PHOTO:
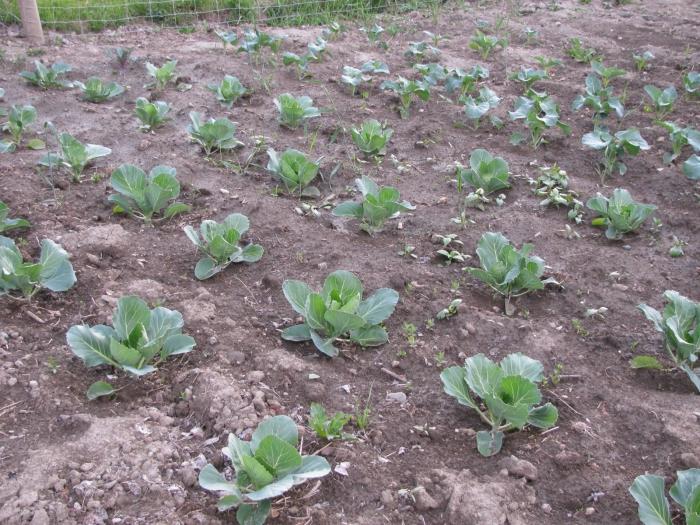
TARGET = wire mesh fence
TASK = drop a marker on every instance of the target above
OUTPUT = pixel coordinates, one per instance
(95, 15)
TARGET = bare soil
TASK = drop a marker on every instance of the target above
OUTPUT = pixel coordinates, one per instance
(134, 458)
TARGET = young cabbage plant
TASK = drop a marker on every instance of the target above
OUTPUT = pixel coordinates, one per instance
(628, 141)
(48, 77)
(598, 99)
(94, 90)
(163, 75)
(295, 171)
(679, 322)
(151, 114)
(539, 112)
(339, 311)
(326, 426)
(464, 82)
(406, 90)
(679, 138)
(6, 223)
(294, 111)
(371, 138)
(547, 63)
(228, 38)
(433, 73)
(19, 118)
(485, 44)
(648, 492)
(53, 271)
(475, 108)
(354, 77)
(418, 51)
(254, 41)
(228, 91)
(485, 172)
(121, 54)
(214, 134)
(142, 196)
(579, 53)
(527, 76)
(641, 62)
(73, 155)
(508, 391)
(376, 67)
(136, 343)
(662, 99)
(691, 83)
(508, 271)
(333, 31)
(300, 62)
(317, 49)
(620, 214)
(606, 74)
(553, 186)
(265, 468)
(219, 245)
(378, 205)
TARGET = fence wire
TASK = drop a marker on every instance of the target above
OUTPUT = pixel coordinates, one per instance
(95, 15)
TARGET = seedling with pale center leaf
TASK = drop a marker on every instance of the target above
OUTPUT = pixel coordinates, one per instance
(293, 111)
(547, 63)
(418, 51)
(53, 271)
(641, 62)
(406, 90)
(606, 74)
(300, 62)
(94, 90)
(508, 391)
(214, 134)
(219, 244)
(628, 141)
(333, 31)
(528, 76)
(295, 171)
(354, 77)
(377, 206)
(485, 172)
(142, 196)
(151, 114)
(475, 108)
(662, 99)
(73, 155)
(139, 340)
(326, 426)
(228, 91)
(317, 48)
(508, 271)
(48, 77)
(679, 138)
(121, 55)
(162, 75)
(485, 44)
(676, 249)
(451, 310)
(254, 41)
(433, 73)
(19, 119)
(372, 137)
(620, 214)
(648, 491)
(553, 185)
(531, 35)
(265, 468)
(339, 311)
(539, 112)
(374, 33)
(691, 83)
(598, 99)
(465, 81)
(375, 66)
(580, 53)
(6, 223)
(228, 38)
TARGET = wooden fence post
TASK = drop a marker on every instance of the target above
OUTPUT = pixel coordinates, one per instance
(31, 22)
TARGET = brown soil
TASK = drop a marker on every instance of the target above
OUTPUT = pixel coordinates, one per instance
(133, 459)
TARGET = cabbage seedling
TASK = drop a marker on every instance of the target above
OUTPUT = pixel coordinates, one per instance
(662, 99)
(326, 426)
(679, 322)
(465, 81)
(219, 244)
(475, 108)
(48, 77)
(6, 223)
(485, 172)
(433, 73)
(508, 392)
(620, 214)
(377, 206)
(353, 77)
(151, 114)
(485, 44)
(143, 196)
(228, 91)
(679, 138)
(317, 48)
(606, 74)
(254, 41)
(539, 112)
(265, 468)
(375, 66)
(691, 167)
(547, 63)
(641, 62)
(213, 135)
(528, 76)
(553, 185)
(19, 119)
(295, 171)
(53, 271)
(333, 31)
(300, 62)
(691, 83)
(508, 271)
(94, 90)
(121, 55)
(73, 155)
(371, 138)
(405, 90)
(614, 147)
(418, 51)
(162, 75)
(374, 33)
(339, 311)
(598, 99)
(228, 38)
(648, 492)
(580, 53)
(293, 111)
(138, 340)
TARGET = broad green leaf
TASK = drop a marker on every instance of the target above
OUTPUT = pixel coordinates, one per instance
(253, 514)
(91, 344)
(489, 443)
(271, 490)
(124, 355)
(482, 375)
(311, 467)
(211, 479)
(648, 491)
(299, 332)
(205, 268)
(282, 427)
(646, 361)
(278, 456)
(175, 209)
(518, 364)
(688, 481)
(99, 389)
(258, 474)
(36, 144)
(177, 344)
(296, 292)
(56, 270)
(370, 336)
(324, 346)
(379, 306)
(455, 385)
(131, 311)
(341, 285)
(343, 322)
(544, 416)
(691, 167)
(348, 209)
(251, 253)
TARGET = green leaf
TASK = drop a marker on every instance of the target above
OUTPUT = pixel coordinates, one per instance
(489, 443)
(175, 209)
(341, 285)
(544, 416)
(648, 491)
(688, 481)
(324, 346)
(482, 375)
(646, 361)
(370, 336)
(124, 355)
(131, 312)
(211, 479)
(379, 306)
(177, 344)
(348, 209)
(253, 514)
(278, 456)
(455, 385)
(99, 389)
(251, 253)
(282, 427)
(343, 322)
(296, 293)
(272, 490)
(258, 474)
(691, 167)
(36, 144)
(206, 267)
(91, 344)
(299, 332)
(56, 272)
(518, 364)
